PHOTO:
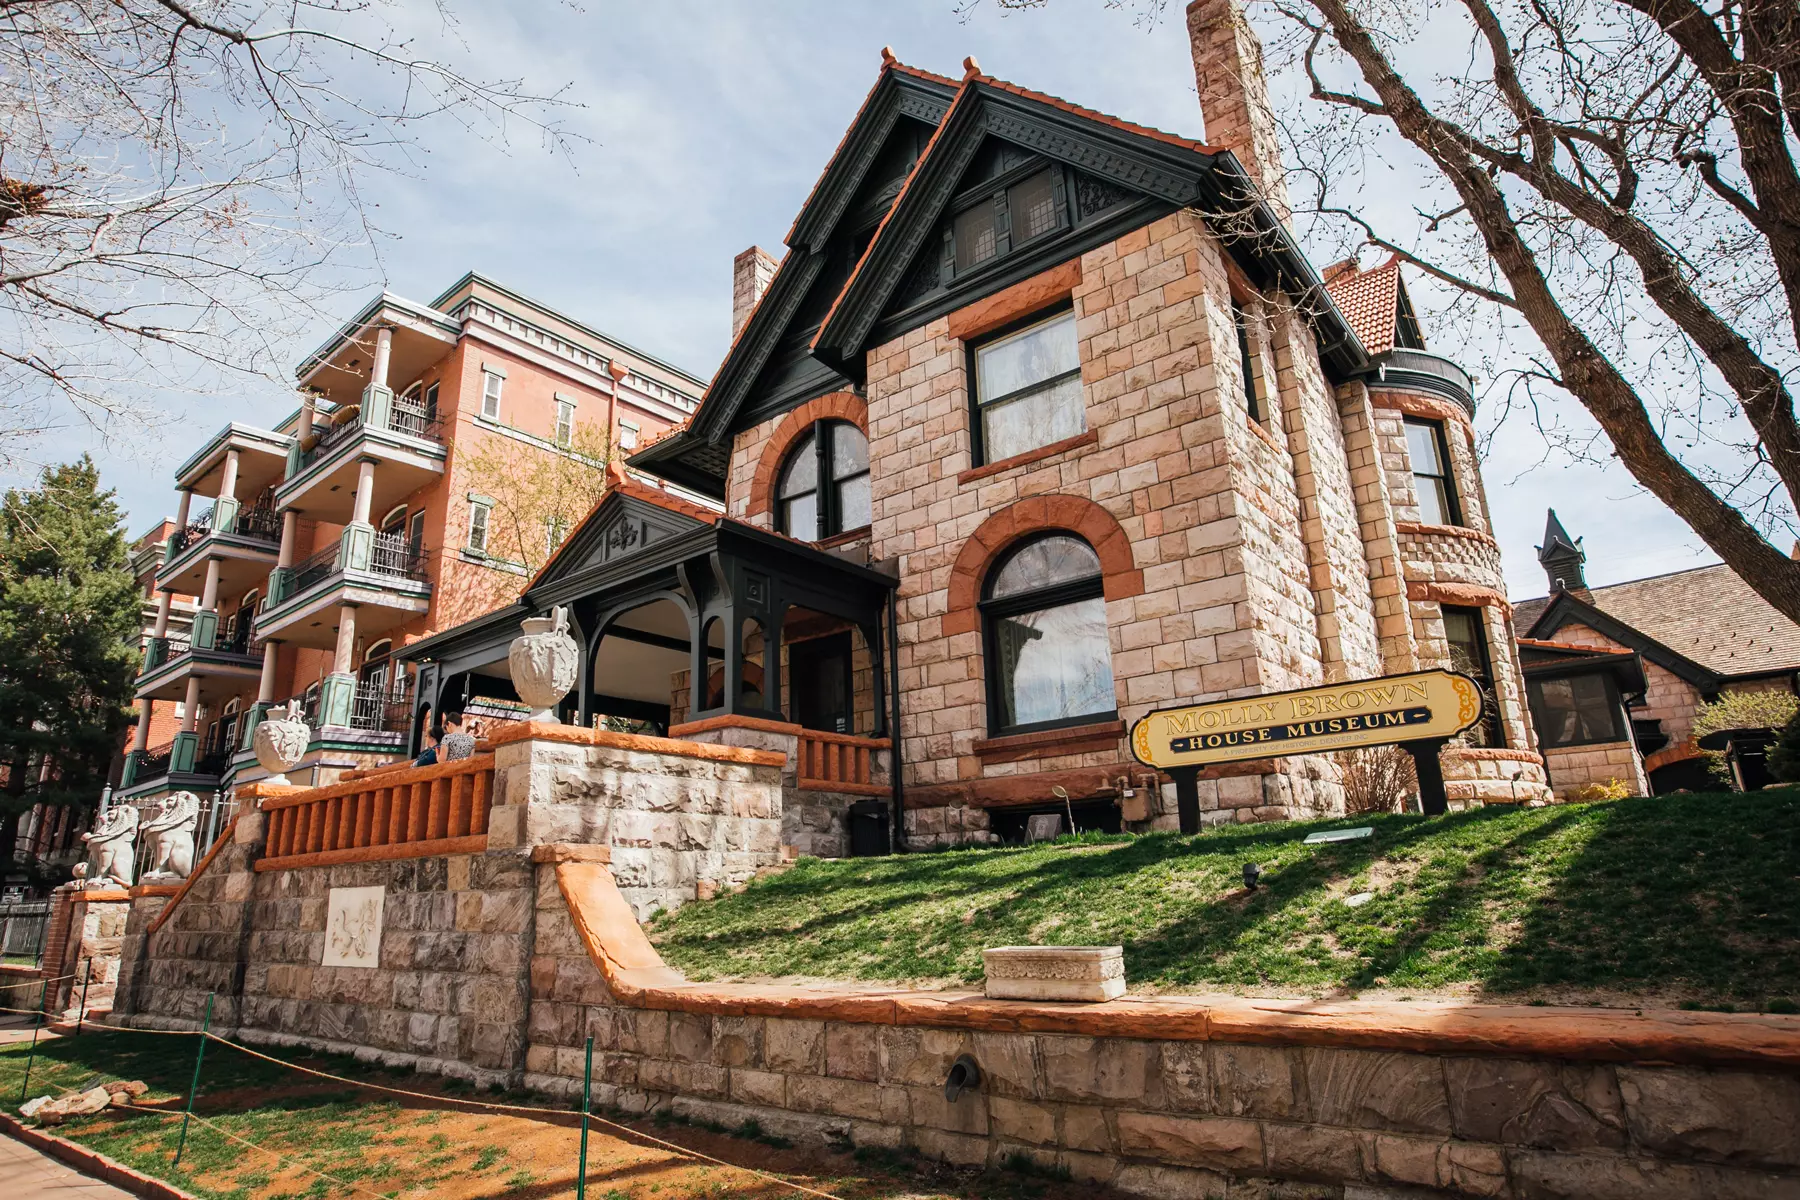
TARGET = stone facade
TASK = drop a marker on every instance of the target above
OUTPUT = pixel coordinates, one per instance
(1573, 768)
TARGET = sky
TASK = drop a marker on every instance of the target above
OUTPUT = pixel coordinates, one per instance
(705, 126)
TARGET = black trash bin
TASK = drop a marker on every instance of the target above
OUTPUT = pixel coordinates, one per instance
(868, 829)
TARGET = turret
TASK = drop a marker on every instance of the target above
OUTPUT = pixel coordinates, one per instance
(1561, 557)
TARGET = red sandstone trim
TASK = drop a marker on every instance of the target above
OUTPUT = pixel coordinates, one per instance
(1680, 752)
(474, 843)
(732, 721)
(1099, 735)
(101, 894)
(1485, 754)
(1003, 791)
(1267, 437)
(1418, 529)
(154, 889)
(296, 797)
(92, 1163)
(1037, 514)
(1415, 405)
(1020, 300)
(841, 406)
(539, 731)
(1469, 594)
(638, 978)
(1090, 438)
(562, 852)
(1541, 644)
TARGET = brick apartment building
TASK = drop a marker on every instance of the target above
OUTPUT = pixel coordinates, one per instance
(1042, 421)
(321, 547)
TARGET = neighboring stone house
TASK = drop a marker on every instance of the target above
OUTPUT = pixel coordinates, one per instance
(1615, 674)
(1070, 390)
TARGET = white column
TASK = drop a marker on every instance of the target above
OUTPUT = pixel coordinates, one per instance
(181, 508)
(343, 660)
(190, 716)
(365, 490)
(163, 603)
(384, 348)
(209, 597)
(309, 407)
(265, 688)
(290, 529)
(228, 483)
(140, 740)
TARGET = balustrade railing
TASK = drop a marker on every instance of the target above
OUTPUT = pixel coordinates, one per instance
(412, 419)
(259, 524)
(379, 708)
(838, 762)
(396, 554)
(154, 762)
(409, 813)
(196, 528)
(160, 650)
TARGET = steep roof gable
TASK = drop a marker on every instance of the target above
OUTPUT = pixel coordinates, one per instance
(630, 516)
(1375, 303)
(1157, 166)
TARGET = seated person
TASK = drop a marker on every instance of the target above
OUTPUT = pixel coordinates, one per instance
(457, 742)
(429, 755)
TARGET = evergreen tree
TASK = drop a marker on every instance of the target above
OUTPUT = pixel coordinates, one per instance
(69, 622)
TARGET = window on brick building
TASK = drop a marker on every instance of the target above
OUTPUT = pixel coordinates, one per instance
(1028, 389)
(491, 384)
(1007, 218)
(1048, 660)
(1253, 399)
(1576, 711)
(823, 489)
(628, 436)
(1466, 633)
(565, 422)
(1432, 479)
(478, 526)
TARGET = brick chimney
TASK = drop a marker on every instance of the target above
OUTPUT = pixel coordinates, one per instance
(1234, 98)
(751, 272)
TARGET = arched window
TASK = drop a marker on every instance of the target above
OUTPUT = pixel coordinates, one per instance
(1048, 660)
(823, 489)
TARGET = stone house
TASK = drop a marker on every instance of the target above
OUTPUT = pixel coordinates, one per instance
(1615, 674)
(1068, 386)
(366, 519)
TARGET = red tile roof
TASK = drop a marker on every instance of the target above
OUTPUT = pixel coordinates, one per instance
(1369, 300)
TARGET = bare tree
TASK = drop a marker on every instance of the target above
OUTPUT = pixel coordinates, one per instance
(1617, 180)
(180, 183)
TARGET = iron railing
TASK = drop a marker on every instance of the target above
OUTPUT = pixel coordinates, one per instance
(160, 650)
(396, 554)
(154, 762)
(238, 637)
(413, 419)
(379, 708)
(216, 813)
(329, 438)
(310, 571)
(23, 924)
(259, 524)
(196, 528)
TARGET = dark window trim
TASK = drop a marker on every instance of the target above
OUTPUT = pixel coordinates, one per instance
(977, 443)
(1622, 724)
(1452, 500)
(1053, 596)
(825, 488)
(1253, 400)
(995, 192)
(1490, 686)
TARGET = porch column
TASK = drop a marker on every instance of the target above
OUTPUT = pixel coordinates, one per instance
(140, 739)
(337, 694)
(309, 407)
(359, 534)
(378, 398)
(164, 602)
(290, 529)
(206, 618)
(265, 687)
(225, 507)
(186, 750)
(384, 349)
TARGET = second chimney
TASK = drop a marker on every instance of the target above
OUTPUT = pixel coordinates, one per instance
(1234, 97)
(751, 272)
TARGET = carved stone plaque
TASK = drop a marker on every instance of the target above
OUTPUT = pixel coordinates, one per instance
(353, 927)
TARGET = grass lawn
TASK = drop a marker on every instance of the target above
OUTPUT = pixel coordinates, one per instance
(381, 1146)
(1670, 900)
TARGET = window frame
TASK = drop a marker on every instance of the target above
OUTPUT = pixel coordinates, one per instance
(1452, 500)
(628, 443)
(828, 520)
(1615, 700)
(997, 192)
(493, 385)
(479, 512)
(978, 454)
(564, 432)
(1254, 406)
(1489, 683)
(415, 530)
(1056, 595)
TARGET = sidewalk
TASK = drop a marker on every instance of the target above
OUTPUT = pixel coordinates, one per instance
(26, 1172)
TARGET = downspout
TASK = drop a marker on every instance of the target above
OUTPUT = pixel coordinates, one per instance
(896, 767)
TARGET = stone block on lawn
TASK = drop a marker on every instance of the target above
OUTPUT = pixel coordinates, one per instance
(1073, 973)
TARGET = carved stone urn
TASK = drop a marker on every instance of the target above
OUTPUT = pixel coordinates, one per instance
(280, 743)
(544, 662)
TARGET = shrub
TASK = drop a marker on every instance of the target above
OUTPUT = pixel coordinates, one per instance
(1746, 710)
(1784, 755)
(1612, 789)
(1377, 779)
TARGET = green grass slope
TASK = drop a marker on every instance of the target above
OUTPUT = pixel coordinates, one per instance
(1679, 899)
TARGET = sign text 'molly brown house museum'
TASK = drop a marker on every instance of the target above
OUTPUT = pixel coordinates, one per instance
(1043, 422)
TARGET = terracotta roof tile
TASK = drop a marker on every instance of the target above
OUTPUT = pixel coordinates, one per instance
(1369, 300)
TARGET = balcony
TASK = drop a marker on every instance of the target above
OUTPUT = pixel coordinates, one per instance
(383, 574)
(402, 436)
(183, 764)
(245, 541)
(226, 659)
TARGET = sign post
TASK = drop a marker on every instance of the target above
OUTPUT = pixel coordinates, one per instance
(1418, 712)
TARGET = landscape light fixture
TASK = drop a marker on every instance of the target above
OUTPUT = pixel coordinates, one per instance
(1252, 873)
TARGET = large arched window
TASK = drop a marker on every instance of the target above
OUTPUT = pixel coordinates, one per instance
(823, 489)
(1048, 661)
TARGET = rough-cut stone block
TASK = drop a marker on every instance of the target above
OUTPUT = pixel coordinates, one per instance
(1078, 973)
(1220, 1142)
(1702, 1115)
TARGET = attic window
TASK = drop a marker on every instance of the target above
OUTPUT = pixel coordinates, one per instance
(977, 236)
(1008, 218)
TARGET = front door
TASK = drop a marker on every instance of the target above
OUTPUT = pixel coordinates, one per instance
(819, 683)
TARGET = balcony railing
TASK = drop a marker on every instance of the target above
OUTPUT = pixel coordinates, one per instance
(418, 811)
(259, 524)
(154, 762)
(414, 420)
(161, 649)
(838, 762)
(379, 708)
(196, 528)
(396, 554)
(391, 554)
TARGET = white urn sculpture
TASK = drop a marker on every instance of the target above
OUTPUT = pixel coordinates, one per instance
(280, 743)
(544, 662)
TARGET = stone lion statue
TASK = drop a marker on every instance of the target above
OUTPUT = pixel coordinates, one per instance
(111, 848)
(171, 833)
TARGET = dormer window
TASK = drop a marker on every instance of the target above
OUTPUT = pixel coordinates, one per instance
(1007, 218)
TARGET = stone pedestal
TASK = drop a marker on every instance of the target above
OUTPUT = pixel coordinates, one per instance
(90, 928)
(1072, 973)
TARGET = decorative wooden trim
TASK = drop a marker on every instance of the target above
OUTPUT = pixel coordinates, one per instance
(1039, 514)
(838, 406)
(1047, 743)
(475, 843)
(637, 977)
(1018, 301)
(732, 721)
(1418, 529)
(570, 734)
(1472, 595)
(806, 784)
(154, 889)
(1089, 438)
(101, 895)
(352, 787)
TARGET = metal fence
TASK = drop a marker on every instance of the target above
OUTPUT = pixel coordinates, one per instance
(216, 813)
(23, 924)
